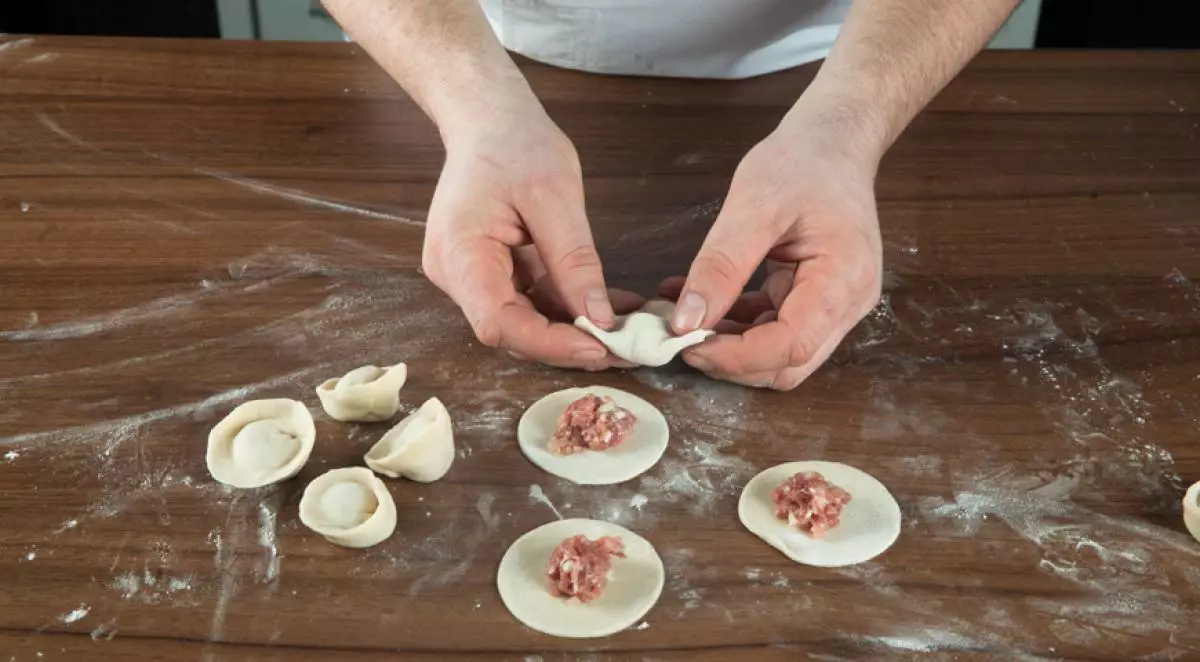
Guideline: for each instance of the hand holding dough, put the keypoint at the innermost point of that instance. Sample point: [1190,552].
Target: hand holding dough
[369,393]
[644,337]
[420,447]
[349,507]
[261,442]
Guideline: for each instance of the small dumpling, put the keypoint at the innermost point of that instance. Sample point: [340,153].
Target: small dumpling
[261,442]
[420,447]
[365,394]
[1191,511]
[644,337]
[349,507]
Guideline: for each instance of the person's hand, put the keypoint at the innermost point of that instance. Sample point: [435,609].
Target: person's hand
[508,240]
[805,202]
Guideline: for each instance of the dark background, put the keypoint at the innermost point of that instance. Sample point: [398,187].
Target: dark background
[1064,23]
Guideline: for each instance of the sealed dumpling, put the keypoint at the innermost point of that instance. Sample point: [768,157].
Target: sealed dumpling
[349,507]
[369,393]
[420,447]
[644,337]
[1191,511]
[261,442]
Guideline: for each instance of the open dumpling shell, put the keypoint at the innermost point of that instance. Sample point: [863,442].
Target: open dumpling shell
[420,453]
[219,456]
[375,529]
[376,400]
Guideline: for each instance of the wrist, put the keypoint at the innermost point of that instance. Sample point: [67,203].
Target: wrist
[481,102]
[842,124]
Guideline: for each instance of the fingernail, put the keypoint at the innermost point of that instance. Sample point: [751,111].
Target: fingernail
[518,356]
[689,314]
[590,355]
[599,310]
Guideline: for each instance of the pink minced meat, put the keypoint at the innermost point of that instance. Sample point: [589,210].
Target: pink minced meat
[578,567]
[591,423]
[810,503]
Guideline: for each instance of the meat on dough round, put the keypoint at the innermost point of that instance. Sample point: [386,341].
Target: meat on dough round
[640,451]
[870,522]
[634,585]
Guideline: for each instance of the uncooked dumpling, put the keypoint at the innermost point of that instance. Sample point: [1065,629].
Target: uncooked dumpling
[261,442]
[869,522]
[369,393]
[642,448]
[644,337]
[1191,511]
[420,447]
[633,587]
[349,507]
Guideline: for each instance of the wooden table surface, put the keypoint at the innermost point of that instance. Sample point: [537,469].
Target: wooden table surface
[188,225]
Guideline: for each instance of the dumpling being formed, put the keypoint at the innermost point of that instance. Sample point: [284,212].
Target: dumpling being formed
[366,394]
[349,507]
[420,447]
[261,442]
[644,337]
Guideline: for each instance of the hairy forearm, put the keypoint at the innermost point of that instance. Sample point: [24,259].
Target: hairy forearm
[442,52]
[890,59]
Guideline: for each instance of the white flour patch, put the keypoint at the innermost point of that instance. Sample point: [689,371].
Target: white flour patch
[30,554]
[11,455]
[698,474]
[305,198]
[151,587]
[42,59]
[267,532]
[10,46]
[483,506]
[105,631]
[25,207]
[638,501]
[66,526]
[537,495]
[75,615]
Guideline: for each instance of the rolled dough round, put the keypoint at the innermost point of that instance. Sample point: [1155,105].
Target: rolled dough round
[634,584]
[870,523]
[639,452]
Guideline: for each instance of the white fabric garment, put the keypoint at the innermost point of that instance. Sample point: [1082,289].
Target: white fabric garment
[677,38]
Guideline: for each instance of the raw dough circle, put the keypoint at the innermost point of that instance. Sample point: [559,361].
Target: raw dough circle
[349,507]
[870,523]
[635,582]
[260,442]
[637,454]
[1191,511]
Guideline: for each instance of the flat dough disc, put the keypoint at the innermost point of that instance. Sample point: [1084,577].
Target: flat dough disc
[870,523]
[638,453]
[635,583]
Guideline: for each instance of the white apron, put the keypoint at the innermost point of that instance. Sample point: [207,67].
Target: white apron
[679,38]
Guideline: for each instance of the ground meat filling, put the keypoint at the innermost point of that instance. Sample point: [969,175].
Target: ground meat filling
[578,567]
[591,423]
[810,503]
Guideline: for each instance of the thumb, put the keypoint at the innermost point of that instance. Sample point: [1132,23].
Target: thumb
[560,232]
[734,248]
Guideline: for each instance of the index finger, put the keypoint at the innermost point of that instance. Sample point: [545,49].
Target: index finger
[501,317]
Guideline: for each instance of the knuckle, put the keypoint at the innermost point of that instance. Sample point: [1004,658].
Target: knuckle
[716,264]
[582,256]
[488,332]
[801,351]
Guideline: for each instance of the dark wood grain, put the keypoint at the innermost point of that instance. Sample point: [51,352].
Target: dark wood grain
[186,225]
